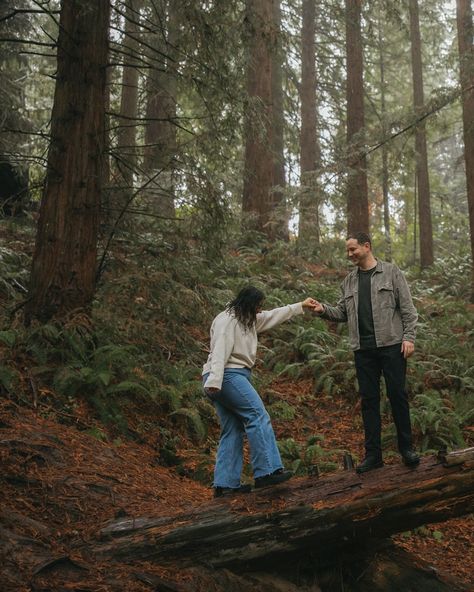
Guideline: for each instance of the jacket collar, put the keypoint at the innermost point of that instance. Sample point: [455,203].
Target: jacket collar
[378,268]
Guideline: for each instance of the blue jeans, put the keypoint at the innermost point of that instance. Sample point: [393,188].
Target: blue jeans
[241,410]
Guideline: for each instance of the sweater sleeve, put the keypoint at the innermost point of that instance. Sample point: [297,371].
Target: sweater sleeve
[222,344]
[271,318]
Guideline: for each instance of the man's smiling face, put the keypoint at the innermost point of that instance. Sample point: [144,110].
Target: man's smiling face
[356,252]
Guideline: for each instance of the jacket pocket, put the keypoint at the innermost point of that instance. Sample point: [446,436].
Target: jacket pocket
[386,296]
[349,301]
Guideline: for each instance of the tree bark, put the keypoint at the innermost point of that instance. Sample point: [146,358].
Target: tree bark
[310,152]
[126,134]
[385,176]
[64,261]
[424,198]
[466,66]
[357,191]
[279,180]
[308,515]
[257,198]
[160,130]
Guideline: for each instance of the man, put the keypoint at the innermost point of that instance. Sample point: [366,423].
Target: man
[377,305]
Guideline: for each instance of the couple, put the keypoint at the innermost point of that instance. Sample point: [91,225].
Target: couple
[377,305]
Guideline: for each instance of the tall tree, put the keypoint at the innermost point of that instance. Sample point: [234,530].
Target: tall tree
[384,148]
[279,179]
[64,261]
[310,152]
[466,66]
[127,131]
[423,181]
[258,199]
[160,130]
[357,191]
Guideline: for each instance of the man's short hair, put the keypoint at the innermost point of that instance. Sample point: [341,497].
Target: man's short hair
[361,238]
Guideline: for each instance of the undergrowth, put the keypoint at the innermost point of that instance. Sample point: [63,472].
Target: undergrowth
[148,338]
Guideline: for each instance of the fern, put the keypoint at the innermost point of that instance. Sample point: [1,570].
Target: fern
[194,421]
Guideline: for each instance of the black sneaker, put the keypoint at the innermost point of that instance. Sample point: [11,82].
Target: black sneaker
[410,458]
[369,463]
[278,476]
[225,491]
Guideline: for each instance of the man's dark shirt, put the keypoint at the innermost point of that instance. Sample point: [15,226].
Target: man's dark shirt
[366,321]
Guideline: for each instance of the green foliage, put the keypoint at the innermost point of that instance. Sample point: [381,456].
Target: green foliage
[8,378]
[13,273]
[281,410]
[438,423]
[302,459]
[195,421]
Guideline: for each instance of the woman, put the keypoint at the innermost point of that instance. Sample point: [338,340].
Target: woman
[226,380]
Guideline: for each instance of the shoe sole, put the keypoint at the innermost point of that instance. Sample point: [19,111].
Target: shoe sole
[241,491]
[371,468]
[411,463]
[282,479]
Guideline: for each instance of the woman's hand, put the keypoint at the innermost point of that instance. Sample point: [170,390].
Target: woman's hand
[311,303]
[212,390]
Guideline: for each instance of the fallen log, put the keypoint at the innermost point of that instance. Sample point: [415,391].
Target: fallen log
[308,515]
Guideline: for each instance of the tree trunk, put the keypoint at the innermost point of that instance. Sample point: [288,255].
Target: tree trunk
[310,153]
[64,261]
[466,64]
[386,204]
[160,130]
[279,181]
[343,510]
[357,191]
[257,199]
[126,135]
[424,199]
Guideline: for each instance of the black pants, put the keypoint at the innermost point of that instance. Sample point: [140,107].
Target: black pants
[370,365]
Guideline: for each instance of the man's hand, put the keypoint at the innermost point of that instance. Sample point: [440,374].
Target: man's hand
[407,349]
[310,303]
[313,305]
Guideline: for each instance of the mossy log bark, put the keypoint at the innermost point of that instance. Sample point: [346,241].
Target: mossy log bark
[314,516]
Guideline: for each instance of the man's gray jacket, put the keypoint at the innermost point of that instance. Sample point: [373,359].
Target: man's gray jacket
[393,311]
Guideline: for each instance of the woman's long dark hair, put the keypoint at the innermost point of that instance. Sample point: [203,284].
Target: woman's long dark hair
[245,305]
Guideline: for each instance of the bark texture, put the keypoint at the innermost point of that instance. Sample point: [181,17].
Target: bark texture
[310,153]
[64,261]
[258,200]
[385,174]
[160,130]
[357,192]
[279,179]
[309,515]
[466,66]
[424,199]
[126,135]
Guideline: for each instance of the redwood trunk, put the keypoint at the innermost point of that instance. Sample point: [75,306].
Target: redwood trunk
[257,199]
[279,181]
[64,261]
[310,153]
[385,176]
[160,130]
[126,136]
[424,199]
[466,62]
[357,192]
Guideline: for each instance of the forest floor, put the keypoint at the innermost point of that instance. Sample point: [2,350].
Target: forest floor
[64,474]
[62,479]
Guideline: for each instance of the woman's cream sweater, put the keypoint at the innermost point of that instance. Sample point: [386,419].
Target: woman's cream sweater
[234,346]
